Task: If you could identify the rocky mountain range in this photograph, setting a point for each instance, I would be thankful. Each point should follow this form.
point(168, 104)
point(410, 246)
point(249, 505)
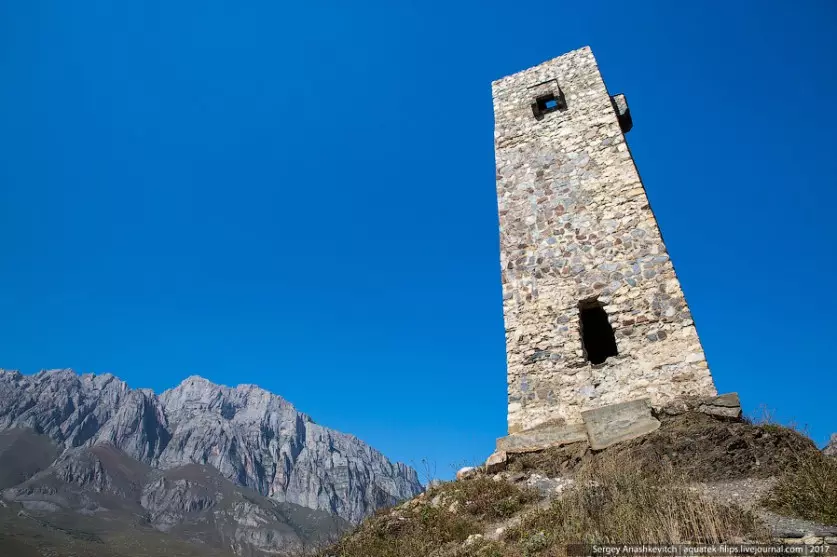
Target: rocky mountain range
point(200, 467)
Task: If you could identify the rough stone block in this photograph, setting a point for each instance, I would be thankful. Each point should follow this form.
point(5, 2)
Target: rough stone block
point(542, 438)
point(725, 406)
point(619, 422)
point(831, 448)
point(466, 472)
point(728, 400)
point(623, 112)
point(678, 406)
point(496, 462)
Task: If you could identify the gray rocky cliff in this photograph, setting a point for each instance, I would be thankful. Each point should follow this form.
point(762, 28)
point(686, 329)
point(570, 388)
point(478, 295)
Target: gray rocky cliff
point(101, 495)
point(831, 448)
point(251, 437)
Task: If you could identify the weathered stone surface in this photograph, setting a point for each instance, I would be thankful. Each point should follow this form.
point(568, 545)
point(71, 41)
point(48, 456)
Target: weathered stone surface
point(496, 462)
point(618, 422)
point(472, 539)
point(549, 487)
point(542, 438)
point(679, 406)
point(725, 406)
point(728, 400)
point(466, 472)
point(623, 112)
point(252, 437)
point(831, 448)
point(575, 226)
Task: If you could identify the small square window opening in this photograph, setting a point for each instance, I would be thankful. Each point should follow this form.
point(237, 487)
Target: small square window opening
point(548, 103)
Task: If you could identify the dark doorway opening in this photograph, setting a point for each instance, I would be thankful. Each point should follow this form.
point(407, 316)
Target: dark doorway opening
point(596, 332)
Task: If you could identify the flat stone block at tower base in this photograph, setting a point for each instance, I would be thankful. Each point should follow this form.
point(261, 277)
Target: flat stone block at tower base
point(615, 423)
point(594, 312)
point(542, 437)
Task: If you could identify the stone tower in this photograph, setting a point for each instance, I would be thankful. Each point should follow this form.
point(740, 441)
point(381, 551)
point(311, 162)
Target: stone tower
point(593, 310)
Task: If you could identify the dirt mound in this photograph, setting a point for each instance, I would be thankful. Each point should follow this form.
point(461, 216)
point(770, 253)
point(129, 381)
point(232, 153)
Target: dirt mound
point(702, 447)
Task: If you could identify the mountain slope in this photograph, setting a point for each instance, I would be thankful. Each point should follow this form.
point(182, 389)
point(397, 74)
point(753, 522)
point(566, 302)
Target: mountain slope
point(22, 454)
point(233, 468)
point(99, 497)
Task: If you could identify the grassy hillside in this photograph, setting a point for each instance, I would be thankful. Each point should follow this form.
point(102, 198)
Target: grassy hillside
point(671, 486)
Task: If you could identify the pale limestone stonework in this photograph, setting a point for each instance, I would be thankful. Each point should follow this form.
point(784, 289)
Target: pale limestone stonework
point(576, 226)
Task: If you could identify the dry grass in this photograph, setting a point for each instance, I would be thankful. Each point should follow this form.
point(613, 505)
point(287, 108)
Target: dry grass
point(409, 535)
point(615, 500)
point(438, 523)
point(487, 500)
point(807, 490)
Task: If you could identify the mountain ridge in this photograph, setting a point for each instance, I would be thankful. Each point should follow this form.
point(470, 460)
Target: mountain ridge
point(254, 438)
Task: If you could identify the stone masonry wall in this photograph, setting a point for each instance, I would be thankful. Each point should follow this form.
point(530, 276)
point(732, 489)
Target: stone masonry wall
point(575, 225)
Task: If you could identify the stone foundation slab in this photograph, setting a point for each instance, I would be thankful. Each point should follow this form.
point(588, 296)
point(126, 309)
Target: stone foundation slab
point(619, 422)
point(726, 406)
point(542, 438)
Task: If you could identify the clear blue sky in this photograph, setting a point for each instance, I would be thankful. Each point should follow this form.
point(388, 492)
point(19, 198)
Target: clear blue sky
point(301, 195)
